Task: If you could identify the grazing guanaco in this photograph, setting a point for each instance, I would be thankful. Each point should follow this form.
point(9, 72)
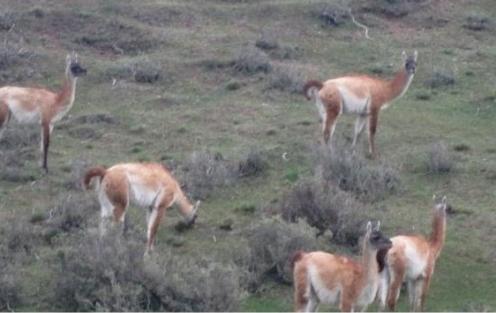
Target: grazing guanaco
point(147, 185)
point(412, 259)
point(41, 106)
point(321, 277)
point(362, 95)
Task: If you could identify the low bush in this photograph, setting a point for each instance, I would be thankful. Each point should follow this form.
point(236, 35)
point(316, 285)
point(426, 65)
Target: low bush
point(286, 78)
point(478, 22)
point(252, 165)
point(250, 60)
point(439, 159)
point(351, 172)
point(10, 287)
point(440, 78)
point(204, 171)
point(270, 246)
point(141, 70)
point(325, 207)
point(112, 275)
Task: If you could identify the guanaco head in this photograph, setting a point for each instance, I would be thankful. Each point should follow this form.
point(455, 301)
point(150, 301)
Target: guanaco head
point(410, 62)
point(190, 220)
point(375, 239)
point(73, 68)
point(442, 207)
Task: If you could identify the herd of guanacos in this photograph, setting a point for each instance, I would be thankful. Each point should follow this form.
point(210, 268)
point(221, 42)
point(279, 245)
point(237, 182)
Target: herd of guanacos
point(319, 277)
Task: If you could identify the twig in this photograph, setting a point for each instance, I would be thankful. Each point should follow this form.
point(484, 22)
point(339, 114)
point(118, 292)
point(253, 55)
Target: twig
point(360, 25)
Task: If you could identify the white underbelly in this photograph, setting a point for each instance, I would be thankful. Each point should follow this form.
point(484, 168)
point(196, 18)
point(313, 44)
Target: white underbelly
point(416, 264)
point(325, 295)
point(24, 116)
point(352, 104)
point(368, 294)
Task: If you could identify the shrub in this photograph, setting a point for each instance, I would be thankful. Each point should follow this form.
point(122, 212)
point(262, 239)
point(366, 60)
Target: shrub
point(12, 54)
point(72, 212)
point(77, 169)
point(477, 22)
point(252, 165)
point(141, 70)
point(440, 79)
point(325, 207)
point(204, 171)
point(270, 246)
point(439, 159)
point(111, 275)
point(352, 172)
point(331, 15)
point(10, 288)
point(267, 41)
point(250, 60)
point(286, 78)
point(7, 20)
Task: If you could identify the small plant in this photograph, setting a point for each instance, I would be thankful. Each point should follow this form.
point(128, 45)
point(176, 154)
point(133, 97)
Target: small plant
point(252, 165)
point(286, 78)
point(332, 15)
point(267, 41)
point(7, 20)
point(141, 70)
point(477, 21)
point(461, 147)
point(251, 61)
point(12, 54)
point(352, 172)
point(10, 287)
point(440, 78)
point(326, 208)
point(204, 171)
point(110, 274)
point(270, 246)
point(438, 159)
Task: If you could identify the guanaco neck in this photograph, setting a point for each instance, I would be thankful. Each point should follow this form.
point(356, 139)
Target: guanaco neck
point(399, 85)
point(438, 233)
point(65, 97)
point(369, 263)
point(185, 206)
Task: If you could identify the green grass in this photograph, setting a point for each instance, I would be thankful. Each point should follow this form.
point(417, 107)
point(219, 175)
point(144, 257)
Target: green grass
point(191, 110)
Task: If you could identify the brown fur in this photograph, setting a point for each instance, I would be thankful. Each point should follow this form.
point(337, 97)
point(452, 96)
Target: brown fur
point(317, 275)
point(311, 84)
point(48, 106)
point(98, 171)
point(149, 185)
point(427, 249)
point(378, 92)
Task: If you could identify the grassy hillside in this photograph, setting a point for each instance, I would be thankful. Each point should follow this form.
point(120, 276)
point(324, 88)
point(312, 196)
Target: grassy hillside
point(215, 85)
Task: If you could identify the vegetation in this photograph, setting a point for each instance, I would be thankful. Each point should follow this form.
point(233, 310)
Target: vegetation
point(210, 89)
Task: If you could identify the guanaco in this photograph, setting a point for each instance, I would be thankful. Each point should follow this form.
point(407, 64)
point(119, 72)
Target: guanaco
point(321, 277)
point(412, 259)
point(362, 95)
point(146, 185)
point(41, 106)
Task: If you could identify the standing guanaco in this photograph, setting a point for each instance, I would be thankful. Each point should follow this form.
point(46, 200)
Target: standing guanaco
point(331, 279)
point(412, 259)
point(41, 106)
point(362, 95)
point(147, 185)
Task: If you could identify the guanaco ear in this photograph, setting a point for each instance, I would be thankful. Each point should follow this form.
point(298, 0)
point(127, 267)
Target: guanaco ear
point(434, 197)
point(369, 228)
point(378, 226)
point(444, 202)
point(68, 59)
point(403, 55)
point(415, 54)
